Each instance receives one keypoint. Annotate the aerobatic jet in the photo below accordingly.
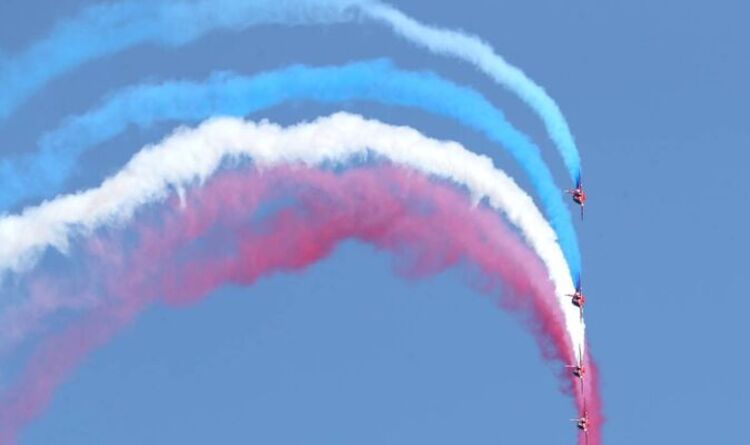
(578, 370)
(578, 299)
(578, 195)
(583, 423)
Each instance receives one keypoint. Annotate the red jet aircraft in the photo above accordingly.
(578, 299)
(583, 424)
(579, 196)
(578, 370)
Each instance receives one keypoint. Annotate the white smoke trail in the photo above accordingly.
(191, 155)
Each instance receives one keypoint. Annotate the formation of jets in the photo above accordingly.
(578, 300)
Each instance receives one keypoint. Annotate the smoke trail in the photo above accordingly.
(328, 209)
(593, 399)
(480, 54)
(235, 95)
(190, 156)
(112, 27)
(122, 25)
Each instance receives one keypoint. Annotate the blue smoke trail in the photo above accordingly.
(109, 28)
(112, 27)
(228, 94)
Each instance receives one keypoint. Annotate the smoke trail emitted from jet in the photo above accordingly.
(194, 155)
(236, 95)
(110, 28)
(473, 50)
(428, 225)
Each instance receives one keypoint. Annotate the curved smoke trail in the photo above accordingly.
(327, 209)
(194, 155)
(236, 95)
(109, 28)
(480, 54)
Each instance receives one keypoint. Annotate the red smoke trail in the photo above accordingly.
(593, 399)
(429, 225)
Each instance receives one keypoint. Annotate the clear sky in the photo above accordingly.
(348, 353)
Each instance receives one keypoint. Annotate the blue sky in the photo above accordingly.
(349, 353)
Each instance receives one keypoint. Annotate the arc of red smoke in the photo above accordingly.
(430, 225)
